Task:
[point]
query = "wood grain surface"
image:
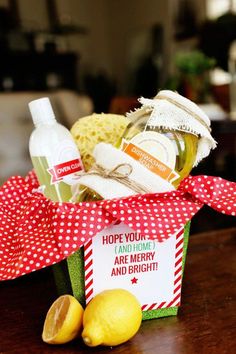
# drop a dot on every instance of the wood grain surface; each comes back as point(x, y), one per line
point(206, 322)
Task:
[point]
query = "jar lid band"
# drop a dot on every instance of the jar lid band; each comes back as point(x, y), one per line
point(171, 111)
point(184, 108)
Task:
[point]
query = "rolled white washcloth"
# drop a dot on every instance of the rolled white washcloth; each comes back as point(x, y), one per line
point(109, 158)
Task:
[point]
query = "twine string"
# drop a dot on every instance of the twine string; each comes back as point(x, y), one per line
point(184, 108)
point(119, 173)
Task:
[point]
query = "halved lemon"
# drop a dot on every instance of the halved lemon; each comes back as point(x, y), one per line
point(63, 321)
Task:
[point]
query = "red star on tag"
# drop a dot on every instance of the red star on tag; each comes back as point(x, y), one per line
point(134, 280)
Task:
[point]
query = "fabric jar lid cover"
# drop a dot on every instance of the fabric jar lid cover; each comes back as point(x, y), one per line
point(170, 110)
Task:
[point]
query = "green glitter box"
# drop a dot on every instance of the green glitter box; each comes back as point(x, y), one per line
point(120, 258)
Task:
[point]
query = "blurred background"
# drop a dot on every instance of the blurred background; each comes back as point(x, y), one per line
point(101, 55)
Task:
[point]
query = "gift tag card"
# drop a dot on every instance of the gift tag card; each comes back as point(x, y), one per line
point(119, 257)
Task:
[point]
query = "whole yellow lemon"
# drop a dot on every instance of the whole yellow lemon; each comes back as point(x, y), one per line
point(112, 317)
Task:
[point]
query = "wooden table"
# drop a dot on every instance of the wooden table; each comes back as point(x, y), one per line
point(206, 322)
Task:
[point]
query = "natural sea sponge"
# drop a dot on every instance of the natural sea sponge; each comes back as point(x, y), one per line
point(96, 128)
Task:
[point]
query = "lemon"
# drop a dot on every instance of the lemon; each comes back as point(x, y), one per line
point(63, 321)
point(112, 317)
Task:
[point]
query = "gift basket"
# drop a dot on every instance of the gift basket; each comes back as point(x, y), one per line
point(118, 216)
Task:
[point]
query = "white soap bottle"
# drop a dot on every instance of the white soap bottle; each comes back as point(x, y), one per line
point(54, 154)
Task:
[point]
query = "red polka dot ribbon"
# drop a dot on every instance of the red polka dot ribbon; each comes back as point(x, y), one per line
point(36, 232)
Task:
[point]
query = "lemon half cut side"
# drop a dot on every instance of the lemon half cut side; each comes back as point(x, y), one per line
point(63, 321)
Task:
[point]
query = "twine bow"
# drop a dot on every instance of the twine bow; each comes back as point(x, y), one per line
point(121, 174)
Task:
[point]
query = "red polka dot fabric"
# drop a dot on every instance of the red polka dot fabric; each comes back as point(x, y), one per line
point(36, 232)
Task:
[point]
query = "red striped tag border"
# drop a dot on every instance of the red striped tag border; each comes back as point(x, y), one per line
point(88, 266)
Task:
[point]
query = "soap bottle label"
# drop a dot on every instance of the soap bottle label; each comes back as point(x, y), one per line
point(65, 169)
point(59, 170)
point(154, 151)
